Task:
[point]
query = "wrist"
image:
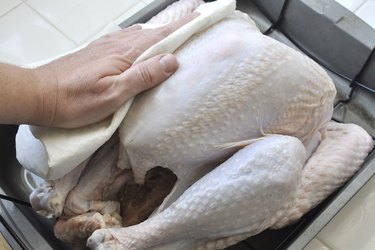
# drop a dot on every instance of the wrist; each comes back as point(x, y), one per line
point(45, 84)
point(19, 95)
point(32, 95)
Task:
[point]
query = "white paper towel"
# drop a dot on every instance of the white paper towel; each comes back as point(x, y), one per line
point(53, 152)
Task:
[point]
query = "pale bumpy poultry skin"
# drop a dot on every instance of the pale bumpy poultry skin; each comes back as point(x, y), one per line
point(338, 157)
point(244, 85)
point(235, 88)
point(226, 201)
point(259, 187)
point(255, 85)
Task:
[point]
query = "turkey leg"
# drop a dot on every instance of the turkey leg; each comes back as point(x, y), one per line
point(338, 156)
point(240, 196)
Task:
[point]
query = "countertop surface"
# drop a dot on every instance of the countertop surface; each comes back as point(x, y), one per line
point(3, 243)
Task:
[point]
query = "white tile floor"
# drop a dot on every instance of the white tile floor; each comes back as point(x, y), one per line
point(32, 30)
point(26, 37)
point(350, 4)
point(316, 244)
point(92, 15)
point(354, 226)
point(7, 5)
point(367, 12)
point(365, 9)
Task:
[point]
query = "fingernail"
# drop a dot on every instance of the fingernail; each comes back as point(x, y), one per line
point(169, 63)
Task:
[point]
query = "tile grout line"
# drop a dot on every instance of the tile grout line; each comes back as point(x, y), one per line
point(50, 23)
point(14, 7)
point(324, 243)
point(91, 35)
point(86, 41)
point(89, 39)
point(123, 13)
point(132, 6)
point(354, 11)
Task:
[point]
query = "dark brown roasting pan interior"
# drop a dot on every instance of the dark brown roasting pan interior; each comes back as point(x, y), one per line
point(336, 39)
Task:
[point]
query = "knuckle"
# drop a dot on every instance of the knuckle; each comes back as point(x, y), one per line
point(164, 31)
point(108, 93)
point(157, 34)
point(107, 37)
point(144, 74)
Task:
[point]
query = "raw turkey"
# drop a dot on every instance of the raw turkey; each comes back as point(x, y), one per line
point(238, 140)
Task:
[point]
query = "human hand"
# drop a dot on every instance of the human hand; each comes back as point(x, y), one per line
point(89, 85)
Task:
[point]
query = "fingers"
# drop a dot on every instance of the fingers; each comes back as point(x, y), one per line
point(133, 27)
point(131, 42)
point(166, 29)
point(146, 75)
point(171, 27)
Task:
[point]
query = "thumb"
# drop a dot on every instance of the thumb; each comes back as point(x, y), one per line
point(147, 74)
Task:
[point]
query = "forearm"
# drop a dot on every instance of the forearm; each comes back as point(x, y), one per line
point(88, 85)
point(20, 95)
